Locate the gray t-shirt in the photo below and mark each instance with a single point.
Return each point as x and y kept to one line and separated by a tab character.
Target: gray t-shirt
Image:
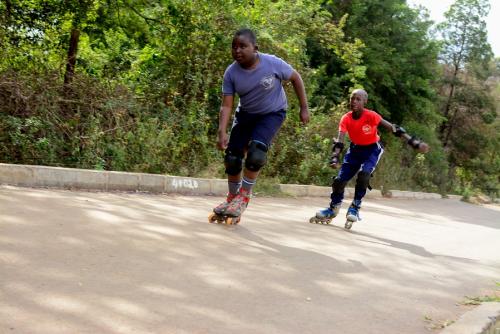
260	88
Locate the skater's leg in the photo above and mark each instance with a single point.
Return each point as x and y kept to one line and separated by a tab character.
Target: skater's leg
264	130
362	184
266	127
238	140
370	161
349	168
336	197
240	202
248	182
353	211
234	164
337	194
372	157
256	159
234	185
233	161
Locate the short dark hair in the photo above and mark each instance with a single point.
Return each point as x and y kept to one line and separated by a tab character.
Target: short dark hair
248	33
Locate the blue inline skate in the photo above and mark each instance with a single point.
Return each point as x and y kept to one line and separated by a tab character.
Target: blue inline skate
352	215
325	216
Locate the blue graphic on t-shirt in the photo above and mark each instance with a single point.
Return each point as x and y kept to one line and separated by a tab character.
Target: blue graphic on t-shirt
267	82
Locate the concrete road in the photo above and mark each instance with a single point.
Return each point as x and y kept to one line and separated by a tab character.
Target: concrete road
83	262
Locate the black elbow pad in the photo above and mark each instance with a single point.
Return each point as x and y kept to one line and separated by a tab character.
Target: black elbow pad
338	145
397	130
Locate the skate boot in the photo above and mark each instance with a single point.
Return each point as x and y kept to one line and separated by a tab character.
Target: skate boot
221	208
238	204
325	216
353	214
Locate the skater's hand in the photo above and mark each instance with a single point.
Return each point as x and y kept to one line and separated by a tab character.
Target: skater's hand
423	148
222	140
304	115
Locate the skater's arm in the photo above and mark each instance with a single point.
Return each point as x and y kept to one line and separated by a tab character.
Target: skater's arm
340	137
386	124
338	146
224	115
298	86
413	141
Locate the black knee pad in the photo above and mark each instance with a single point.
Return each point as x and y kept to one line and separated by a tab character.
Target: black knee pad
338	185
363	180
233	161
256	156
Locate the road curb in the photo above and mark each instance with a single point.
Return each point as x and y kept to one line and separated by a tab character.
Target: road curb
484	319
72	178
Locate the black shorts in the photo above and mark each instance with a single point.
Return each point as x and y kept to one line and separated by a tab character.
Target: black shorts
259	127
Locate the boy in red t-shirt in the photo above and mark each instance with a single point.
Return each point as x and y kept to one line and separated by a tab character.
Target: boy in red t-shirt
362	156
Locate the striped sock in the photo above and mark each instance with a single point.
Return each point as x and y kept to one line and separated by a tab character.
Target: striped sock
248	184
234	187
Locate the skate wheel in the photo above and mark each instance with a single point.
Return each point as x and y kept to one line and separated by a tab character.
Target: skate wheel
348	225
313	220
212	218
233	220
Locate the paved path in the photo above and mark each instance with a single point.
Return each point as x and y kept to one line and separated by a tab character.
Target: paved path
83	262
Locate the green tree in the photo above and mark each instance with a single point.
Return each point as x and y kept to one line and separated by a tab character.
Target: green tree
465	43
467	89
399	56
400	61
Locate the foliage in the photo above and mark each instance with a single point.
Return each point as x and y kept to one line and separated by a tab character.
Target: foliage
466	98
398	56
464	33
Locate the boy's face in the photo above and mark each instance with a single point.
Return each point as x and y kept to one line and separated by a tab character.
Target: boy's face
243	50
358	101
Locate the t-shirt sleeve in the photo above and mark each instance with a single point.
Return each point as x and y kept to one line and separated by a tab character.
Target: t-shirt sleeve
283	69
376	118
227	83
343	124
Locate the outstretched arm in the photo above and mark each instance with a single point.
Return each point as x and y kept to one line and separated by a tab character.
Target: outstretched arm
224	115
298	86
413	141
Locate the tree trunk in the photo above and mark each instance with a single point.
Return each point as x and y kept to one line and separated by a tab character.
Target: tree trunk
8	9
446	113
446	138
456	62
73	48
445	124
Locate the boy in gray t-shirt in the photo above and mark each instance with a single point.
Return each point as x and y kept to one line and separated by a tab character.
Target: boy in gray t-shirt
257	79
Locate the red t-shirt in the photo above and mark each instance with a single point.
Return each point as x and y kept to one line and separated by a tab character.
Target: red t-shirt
362	131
